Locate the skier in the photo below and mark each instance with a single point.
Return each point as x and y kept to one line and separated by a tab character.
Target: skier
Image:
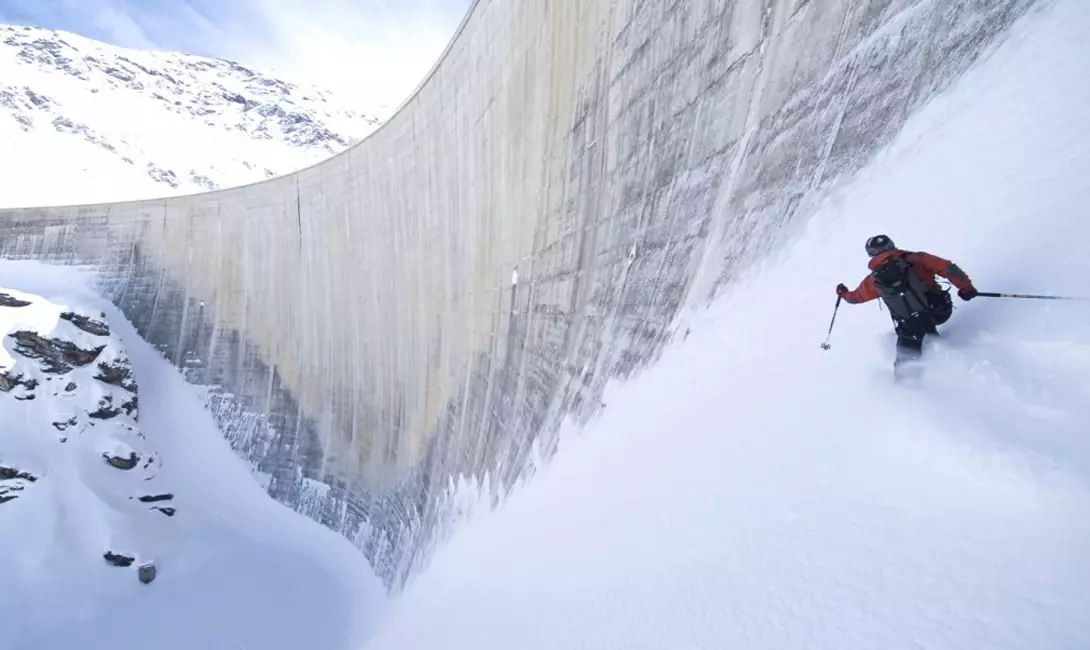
906	283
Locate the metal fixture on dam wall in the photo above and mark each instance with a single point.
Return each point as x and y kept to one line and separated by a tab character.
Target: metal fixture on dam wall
434	301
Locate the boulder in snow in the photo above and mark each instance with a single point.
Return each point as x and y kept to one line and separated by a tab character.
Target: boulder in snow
86	323
11	481
57	355
122	462
118	373
9	381
146	572
64	424
155	498
10	473
11	301
118	559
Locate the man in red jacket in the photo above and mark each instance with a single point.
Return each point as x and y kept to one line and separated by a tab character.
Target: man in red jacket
906	283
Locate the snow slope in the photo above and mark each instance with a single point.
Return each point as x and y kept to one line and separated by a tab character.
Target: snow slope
235	568
121	124
748	491
754	491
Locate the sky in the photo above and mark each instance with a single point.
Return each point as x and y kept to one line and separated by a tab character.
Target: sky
376	50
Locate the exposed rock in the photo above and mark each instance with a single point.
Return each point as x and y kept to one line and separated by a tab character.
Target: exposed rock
104	413
163	175
118	373
129	405
146	572
7	382
61	426
154	498
87	324
121	462
167	510
70	387
10	301
106	409
9	473
58	356
117	559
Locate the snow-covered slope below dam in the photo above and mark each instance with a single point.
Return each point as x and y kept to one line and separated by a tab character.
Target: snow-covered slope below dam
95	490
427	308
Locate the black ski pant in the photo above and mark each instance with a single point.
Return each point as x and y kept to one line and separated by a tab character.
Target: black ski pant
910	335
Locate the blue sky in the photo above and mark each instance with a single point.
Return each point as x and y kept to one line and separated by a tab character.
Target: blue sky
376	50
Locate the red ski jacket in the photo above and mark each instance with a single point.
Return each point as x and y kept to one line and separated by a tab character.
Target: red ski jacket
925	265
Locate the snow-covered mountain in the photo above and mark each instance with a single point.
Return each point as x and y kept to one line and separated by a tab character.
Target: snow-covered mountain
115	123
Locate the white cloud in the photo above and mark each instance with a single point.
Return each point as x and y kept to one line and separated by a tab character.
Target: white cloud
375	50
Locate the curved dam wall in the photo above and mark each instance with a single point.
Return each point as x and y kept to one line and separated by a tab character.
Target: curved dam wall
432	303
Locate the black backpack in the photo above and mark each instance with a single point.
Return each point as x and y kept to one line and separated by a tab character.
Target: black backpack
904	294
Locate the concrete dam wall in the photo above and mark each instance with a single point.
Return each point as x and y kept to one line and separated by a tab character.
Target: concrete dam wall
433	302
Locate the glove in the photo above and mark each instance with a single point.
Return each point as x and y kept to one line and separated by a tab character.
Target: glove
967	294
841	290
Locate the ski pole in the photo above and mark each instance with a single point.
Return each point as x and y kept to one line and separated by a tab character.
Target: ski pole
987	294
825	345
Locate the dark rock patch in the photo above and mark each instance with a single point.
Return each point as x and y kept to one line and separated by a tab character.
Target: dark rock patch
8	492
121	462
70	387
146	572
9	473
155	498
61	426
57	356
105	410
129	405
26	398
7	382
86	323
11	301
104	413
117	374
117	559
166	510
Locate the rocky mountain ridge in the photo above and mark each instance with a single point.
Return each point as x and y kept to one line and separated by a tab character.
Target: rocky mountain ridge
186	123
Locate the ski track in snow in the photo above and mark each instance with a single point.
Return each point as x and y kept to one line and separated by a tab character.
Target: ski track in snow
750	490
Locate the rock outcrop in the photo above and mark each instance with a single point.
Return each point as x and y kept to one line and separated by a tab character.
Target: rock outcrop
57	356
122	462
12	481
147	572
118	559
87	324
75	379
9	301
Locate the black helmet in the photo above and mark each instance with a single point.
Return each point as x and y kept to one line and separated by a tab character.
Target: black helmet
879	244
